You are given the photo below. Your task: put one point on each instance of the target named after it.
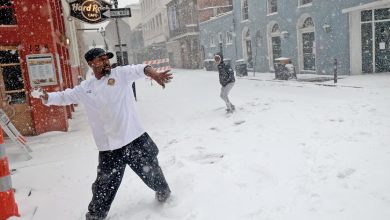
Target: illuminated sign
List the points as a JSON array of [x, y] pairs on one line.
[[89, 11]]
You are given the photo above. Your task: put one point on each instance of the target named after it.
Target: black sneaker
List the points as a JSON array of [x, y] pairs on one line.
[[162, 196], [88, 216]]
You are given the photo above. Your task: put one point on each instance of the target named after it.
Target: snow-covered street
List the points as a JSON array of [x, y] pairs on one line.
[[292, 151]]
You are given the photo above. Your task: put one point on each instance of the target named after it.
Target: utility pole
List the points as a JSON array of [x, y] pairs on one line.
[[119, 36], [122, 60]]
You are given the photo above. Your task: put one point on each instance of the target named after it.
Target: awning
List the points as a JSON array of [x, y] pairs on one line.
[[371, 5]]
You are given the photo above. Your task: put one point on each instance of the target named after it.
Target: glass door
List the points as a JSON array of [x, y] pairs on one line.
[[367, 48], [276, 48], [249, 53], [12, 90], [309, 58], [382, 47]]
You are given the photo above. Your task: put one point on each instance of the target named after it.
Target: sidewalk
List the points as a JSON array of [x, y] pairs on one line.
[[377, 80]]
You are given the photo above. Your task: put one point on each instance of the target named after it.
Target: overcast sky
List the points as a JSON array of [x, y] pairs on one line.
[[123, 3]]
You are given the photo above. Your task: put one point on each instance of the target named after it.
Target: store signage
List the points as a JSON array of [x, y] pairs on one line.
[[89, 11], [120, 12], [41, 70]]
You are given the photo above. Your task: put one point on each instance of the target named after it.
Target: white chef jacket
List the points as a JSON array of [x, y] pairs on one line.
[[109, 104]]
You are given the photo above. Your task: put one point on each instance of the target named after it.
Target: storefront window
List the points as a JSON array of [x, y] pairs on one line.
[[11, 76], [367, 48], [7, 12], [375, 40], [366, 15], [382, 14]]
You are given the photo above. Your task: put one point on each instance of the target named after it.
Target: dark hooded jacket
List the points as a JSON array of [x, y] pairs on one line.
[[226, 73]]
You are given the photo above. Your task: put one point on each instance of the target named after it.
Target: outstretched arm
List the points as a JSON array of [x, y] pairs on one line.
[[160, 78], [67, 97]]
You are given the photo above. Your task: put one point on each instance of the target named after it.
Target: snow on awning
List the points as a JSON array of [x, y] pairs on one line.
[[367, 6]]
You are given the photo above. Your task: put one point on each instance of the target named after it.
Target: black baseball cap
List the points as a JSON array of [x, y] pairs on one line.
[[96, 52]]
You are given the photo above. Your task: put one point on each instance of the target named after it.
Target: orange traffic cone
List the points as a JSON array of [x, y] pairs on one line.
[[8, 206]]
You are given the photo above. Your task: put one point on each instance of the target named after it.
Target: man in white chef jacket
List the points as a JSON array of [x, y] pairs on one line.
[[117, 130]]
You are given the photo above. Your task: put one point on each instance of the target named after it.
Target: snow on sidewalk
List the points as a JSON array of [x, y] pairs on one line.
[[292, 151]]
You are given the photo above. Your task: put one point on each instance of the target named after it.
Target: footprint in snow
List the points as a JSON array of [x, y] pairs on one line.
[[346, 173], [239, 122], [203, 158], [171, 142]]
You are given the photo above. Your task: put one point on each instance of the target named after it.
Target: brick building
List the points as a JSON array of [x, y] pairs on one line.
[[213, 8], [36, 49]]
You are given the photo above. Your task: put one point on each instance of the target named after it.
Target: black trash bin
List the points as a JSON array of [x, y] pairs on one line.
[[241, 68]]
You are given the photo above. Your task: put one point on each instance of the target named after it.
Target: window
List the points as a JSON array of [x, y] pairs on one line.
[[275, 29], [366, 15], [308, 45], [382, 14], [119, 57], [375, 35], [7, 12], [272, 6], [245, 14], [172, 18], [308, 51], [11, 74], [258, 39], [304, 2], [220, 37], [229, 37], [276, 42], [308, 23], [212, 40]]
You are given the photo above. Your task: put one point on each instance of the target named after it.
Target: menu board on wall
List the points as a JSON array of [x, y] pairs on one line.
[[41, 70]]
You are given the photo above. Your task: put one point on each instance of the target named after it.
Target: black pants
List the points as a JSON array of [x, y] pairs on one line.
[[141, 156]]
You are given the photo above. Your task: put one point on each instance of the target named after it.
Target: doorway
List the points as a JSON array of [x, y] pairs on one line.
[[13, 92], [375, 30], [247, 45], [382, 47], [308, 51]]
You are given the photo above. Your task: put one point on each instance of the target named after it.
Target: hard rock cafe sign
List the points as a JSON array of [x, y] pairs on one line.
[[90, 11]]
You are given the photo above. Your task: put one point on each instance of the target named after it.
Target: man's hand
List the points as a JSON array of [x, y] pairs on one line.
[[39, 93], [161, 78]]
